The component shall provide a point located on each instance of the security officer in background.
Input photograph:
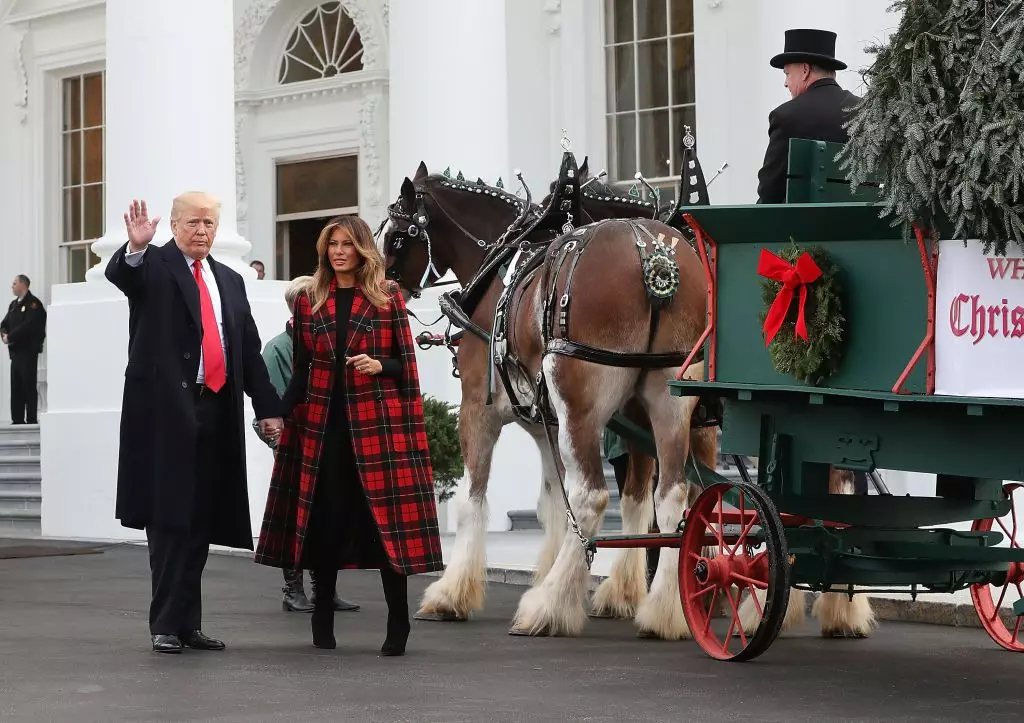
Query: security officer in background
(23, 331)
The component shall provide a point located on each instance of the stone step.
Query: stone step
(18, 448)
(20, 432)
(20, 523)
(19, 463)
(28, 501)
(32, 476)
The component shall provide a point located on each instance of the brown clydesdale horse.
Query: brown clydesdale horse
(438, 225)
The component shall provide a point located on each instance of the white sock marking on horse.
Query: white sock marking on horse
(460, 590)
(661, 613)
(626, 587)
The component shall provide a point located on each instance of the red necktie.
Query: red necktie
(213, 352)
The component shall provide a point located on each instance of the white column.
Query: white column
(170, 117)
(448, 106)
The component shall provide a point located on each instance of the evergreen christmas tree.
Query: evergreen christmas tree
(940, 125)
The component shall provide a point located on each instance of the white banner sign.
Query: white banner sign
(979, 322)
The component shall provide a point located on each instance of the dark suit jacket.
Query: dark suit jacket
(156, 472)
(817, 114)
(25, 325)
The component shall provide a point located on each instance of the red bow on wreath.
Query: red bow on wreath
(804, 272)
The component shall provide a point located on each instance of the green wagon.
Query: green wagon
(875, 408)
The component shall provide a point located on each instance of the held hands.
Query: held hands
(271, 428)
(364, 364)
(140, 228)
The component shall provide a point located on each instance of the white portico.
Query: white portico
(294, 110)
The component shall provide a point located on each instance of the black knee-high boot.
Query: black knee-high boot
(396, 593)
(323, 611)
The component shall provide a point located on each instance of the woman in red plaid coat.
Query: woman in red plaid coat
(352, 485)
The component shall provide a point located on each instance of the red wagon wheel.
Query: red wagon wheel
(988, 599)
(740, 522)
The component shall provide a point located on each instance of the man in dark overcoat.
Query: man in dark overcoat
(193, 350)
(23, 330)
(818, 110)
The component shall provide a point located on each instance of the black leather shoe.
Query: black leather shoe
(166, 644)
(197, 641)
(339, 603)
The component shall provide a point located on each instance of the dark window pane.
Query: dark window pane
(72, 171)
(72, 213)
(623, 130)
(77, 265)
(72, 103)
(655, 143)
(652, 64)
(683, 71)
(683, 117)
(620, 78)
(618, 21)
(93, 100)
(93, 155)
(318, 185)
(92, 200)
(681, 12)
(651, 19)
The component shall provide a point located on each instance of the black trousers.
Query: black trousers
(24, 395)
(177, 558)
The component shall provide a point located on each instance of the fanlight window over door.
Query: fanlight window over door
(324, 44)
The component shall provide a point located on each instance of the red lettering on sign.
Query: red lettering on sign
(998, 268)
(969, 316)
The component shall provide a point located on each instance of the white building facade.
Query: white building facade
(296, 110)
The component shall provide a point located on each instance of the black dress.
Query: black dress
(342, 533)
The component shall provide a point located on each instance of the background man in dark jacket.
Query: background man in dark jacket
(193, 350)
(23, 330)
(817, 111)
(277, 355)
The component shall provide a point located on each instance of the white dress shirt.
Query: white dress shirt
(134, 258)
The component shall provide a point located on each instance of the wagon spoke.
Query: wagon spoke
(705, 591)
(711, 608)
(736, 616)
(757, 603)
(750, 581)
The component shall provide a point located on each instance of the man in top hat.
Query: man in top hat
(818, 110)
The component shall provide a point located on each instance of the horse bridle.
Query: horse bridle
(415, 225)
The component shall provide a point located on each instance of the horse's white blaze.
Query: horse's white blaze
(626, 587)
(661, 613)
(461, 588)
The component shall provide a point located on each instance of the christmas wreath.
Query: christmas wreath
(803, 316)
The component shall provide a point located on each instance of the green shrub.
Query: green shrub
(442, 422)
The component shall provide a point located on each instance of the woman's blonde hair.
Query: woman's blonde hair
(369, 276)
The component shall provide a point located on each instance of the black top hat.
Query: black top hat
(817, 47)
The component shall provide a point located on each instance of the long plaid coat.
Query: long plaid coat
(388, 437)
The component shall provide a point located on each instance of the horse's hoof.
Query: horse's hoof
(542, 633)
(440, 617)
(840, 634)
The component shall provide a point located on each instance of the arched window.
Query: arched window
(324, 43)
